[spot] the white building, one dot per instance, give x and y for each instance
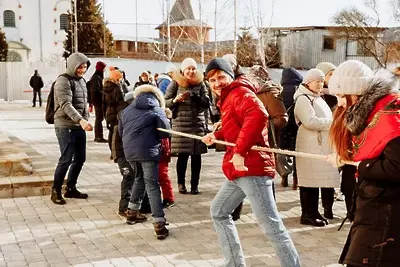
(35, 29)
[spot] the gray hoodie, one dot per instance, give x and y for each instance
(70, 108)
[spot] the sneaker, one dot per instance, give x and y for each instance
(56, 197)
(134, 216)
(168, 203)
(160, 231)
(74, 193)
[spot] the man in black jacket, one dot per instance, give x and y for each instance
(96, 99)
(36, 82)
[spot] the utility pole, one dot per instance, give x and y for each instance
(201, 35)
(215, 29)
(75, 27)
(169, 56)
(137, 40)
(235, 29)
(104, 31)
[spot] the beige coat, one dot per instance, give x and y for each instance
(316, 118)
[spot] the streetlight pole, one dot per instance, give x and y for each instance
(104, 30)
(168, 32)
(136, 43)
(76, 26)
(235, 29)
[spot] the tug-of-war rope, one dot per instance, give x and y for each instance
(258, 148)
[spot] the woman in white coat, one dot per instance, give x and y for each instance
(314, 118)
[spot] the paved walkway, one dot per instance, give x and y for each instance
(35, 232)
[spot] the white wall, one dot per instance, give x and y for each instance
(38, 29)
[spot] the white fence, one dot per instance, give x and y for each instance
(14, 78)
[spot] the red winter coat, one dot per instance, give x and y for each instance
(245, 123)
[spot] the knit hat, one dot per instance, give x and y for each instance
(115, 74)
(350, 78)
(188, 62)
(231, 58)
(325, 67)
(100, 66)
(170, 68)
(313, 75)
(220, 64)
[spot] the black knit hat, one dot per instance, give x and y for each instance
(220, 64)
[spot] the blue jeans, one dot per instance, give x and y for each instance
(72, 143)
(259, 192)
(147, 180)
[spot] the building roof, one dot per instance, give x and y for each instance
(182, 15)
(134, 39)
(17, 45)
(308, 28)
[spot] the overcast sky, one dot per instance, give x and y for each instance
(121, 14)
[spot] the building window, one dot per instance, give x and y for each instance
(131, 46)
(64, 22)
(118, 45)
(9, 18)
(329, 43)
(365, 47)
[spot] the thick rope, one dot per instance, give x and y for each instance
(258, 148)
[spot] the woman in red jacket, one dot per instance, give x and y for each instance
(366, 133)
(244, 122)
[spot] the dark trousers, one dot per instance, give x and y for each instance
(128, 178)
(309, 198)
(37, 93)
(181, 166)
(110, 135)
(98, 125)
(348, 184)
(72, 143)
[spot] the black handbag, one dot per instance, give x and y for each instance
(283, 163)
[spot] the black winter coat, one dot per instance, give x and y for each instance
(36, 82)
(113, 101)
(96, 88)
(188, 116)
(374, 238)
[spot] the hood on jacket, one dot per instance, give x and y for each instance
(357, 115)
(74, 61)
(185, 83)
(109, 85)
(242, 81)
(164, 76)
(148, 96)
(290, 76)
(302, 90)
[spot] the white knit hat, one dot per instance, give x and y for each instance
(325, 67)
(313, 75)
(350, 78)
(188, 62)
(170, 68)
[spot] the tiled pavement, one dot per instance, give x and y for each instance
(35, 232)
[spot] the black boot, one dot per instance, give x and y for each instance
(309, 207)
(284, 181)
(56, 197)
(236, 213)
(328, 197)
(74, 193)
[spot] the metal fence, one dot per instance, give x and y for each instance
(14, 78)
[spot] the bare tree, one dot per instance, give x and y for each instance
(365, 30)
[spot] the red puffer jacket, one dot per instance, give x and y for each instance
(245, 123)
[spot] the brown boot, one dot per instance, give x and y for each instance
(294, 186)
(284, 181)
(182, 189)
(160, 230)
(134, 216)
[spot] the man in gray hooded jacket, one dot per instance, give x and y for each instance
(70, 123)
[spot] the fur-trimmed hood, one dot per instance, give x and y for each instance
(185, 83)
(150, 89)
(108, 80)
(357, 116)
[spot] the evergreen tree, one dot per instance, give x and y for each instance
(3, 47)
(91, 30)
(246, 49)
